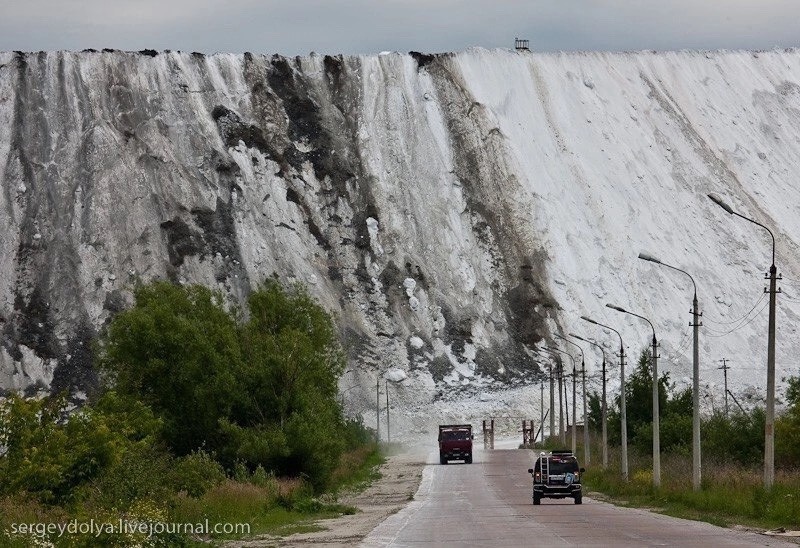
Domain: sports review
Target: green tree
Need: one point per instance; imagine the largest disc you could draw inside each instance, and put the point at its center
(176, 351)
(292, 363)
(50, 453)
(257, 388)
(674, 408)
(595, 411)
(787, 427)
(738, 437)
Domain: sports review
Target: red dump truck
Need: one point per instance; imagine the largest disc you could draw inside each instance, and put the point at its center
(455, 443)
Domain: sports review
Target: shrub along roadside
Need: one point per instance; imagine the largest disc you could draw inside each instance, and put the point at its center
(207, 413)
(265, 503)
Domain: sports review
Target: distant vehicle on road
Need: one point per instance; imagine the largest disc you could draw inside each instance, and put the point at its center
(556, 476)
(455, 443)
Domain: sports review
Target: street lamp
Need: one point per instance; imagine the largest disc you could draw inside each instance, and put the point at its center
(541, 409)
(769, 420)
(563, 432)
(623, 411)
(656, 435)
(552, 397)
(696, 469)
(603, 411)
(574, 412)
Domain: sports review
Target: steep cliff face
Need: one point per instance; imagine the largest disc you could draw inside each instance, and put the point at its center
(453, 211)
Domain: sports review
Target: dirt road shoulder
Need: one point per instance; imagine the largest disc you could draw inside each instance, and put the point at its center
(400, 478)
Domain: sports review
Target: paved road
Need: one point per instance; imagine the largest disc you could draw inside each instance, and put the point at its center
(488, 503)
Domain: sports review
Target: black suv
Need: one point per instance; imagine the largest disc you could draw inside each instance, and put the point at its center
(556, 475)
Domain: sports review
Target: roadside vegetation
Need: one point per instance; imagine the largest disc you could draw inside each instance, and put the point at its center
(207, 413)
(732, 456)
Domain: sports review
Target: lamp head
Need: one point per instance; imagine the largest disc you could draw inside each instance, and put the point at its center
(615, 307)
(717, 200)
(577, 337)
(647, 257)
(584, 318)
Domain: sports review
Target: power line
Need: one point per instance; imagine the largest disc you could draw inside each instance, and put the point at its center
(718, 334)
(722, 322)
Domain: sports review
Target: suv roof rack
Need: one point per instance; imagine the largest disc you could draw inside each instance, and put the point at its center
(561, 452)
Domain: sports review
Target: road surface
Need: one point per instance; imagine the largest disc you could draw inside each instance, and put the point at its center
(488, 503)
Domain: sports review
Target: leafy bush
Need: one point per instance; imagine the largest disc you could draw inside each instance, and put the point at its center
(176, 351)
(50, 453)
(738, 437)
(196, 473)
(260, 392)
(787, 428)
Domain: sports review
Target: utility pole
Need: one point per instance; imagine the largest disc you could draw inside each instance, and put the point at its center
(623, 411)
(552, 404)
(656, 430)
(574, 401)
(695, 325)
(541, 408)
(566, 410)
(586, 450)
(559, 373)
(378, 409)
(574, 411)
(622, 406)
(388, 433)
(769, 418)
(725, 372)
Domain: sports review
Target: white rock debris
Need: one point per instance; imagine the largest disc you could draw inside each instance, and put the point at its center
(514, 191)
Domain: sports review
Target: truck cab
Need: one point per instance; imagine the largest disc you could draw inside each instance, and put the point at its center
(556, 475)
(455, 443)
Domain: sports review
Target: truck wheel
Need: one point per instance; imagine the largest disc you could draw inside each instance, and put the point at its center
(468, 460)
(537, 500)
(578, 499)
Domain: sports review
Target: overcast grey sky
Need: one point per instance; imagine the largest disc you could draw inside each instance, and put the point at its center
(370, 26)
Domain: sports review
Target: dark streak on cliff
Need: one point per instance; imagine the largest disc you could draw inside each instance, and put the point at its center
(74, 372)
(486, 184)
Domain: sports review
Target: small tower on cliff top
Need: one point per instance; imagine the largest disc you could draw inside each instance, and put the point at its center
(521, 45)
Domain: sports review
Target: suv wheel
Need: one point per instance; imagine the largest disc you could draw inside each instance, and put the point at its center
(442, 460)
(537, 499)
(468, 460)
(578, 499)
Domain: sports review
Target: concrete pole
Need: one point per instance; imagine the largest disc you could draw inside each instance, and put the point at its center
(566, 411)
(725, 373)
(574, 412)
(552, 405)
(603, 410)
(604, 419)
(541, 408)
(378, 409)
(769, 423)
(388, 433)
(586, 451)
(656, 431)
(623, 411)
(561, 432)
(769, 420)
(696, 467)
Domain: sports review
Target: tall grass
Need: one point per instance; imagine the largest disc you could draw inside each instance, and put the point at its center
(266, 503)
(730, 493)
